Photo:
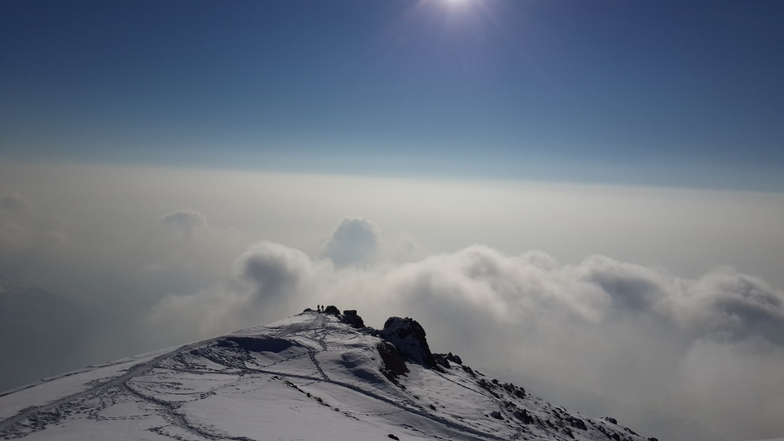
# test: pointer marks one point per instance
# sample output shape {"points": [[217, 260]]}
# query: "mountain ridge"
{"points": [[333, 376]]}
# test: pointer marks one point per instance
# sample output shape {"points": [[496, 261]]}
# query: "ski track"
{"points": [[119, 381], [179, 420], [321, 340]]}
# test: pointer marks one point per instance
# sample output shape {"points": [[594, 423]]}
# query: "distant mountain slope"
{"points": [[313, 376], [36, 326]]}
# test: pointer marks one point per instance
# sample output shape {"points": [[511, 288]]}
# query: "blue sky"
{"points": [[629, 92]]}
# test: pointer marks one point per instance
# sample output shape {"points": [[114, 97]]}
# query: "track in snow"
{"points": [[133, 371], [180, 421]]}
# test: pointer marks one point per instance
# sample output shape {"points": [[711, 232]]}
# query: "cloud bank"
{"points": [[678, 357], [690, 354]]}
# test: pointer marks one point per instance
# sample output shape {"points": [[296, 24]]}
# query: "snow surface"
{"points": [[309, 377]]}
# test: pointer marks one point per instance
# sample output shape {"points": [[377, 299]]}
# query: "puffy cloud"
{"points": [[725, 304], [273, 269], [358, 241], [187, 220], [355, 240], [268, 279], [673, 357]]}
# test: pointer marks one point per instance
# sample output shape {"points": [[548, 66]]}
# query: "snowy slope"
{"points": [[310, 377]]}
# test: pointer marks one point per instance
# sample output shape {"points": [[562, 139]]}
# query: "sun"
{"points": [[455, 5]]}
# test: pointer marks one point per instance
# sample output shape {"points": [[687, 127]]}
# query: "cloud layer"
{"points": [[697, 353], [688, 352]]}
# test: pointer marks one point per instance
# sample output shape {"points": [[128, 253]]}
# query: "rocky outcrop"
{"points": [[444, 359], [409, 337], [394, 361], [350, 317]]}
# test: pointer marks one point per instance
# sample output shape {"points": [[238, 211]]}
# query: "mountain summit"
{"points": [[314, 376]]}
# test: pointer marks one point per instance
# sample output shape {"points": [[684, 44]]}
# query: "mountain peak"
{"points": [[316, 375]]}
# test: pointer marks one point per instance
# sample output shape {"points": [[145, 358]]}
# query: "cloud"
{"points": [[268, 279], [728, 305], [355, 240], [646, 340], [694, 346], [273, 269], [187, 220], [358, 241], [184, 239]]}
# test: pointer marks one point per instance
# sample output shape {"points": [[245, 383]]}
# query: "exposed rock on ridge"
{"points": [[409, 337]]}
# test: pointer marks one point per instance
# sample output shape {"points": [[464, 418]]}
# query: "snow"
{"points": [[308, 377]]}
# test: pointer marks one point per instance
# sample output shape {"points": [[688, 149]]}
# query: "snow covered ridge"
{"points": [[314, 376]]}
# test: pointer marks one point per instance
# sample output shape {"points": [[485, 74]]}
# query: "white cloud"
{"points": [[273, 269], [354, 241], [187, 220], [358, 241]]}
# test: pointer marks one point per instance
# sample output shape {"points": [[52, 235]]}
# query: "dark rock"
{"points": [[611, 419], [484, 384], [577, 423], [408, 336], [393, 437], [332, 310], [496, 414], [394, 361], [523, 416], [350, 317], [442, 360]]}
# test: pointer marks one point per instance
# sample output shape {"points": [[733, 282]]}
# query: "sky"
{"points": [[654, 93], [582, 197]]}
